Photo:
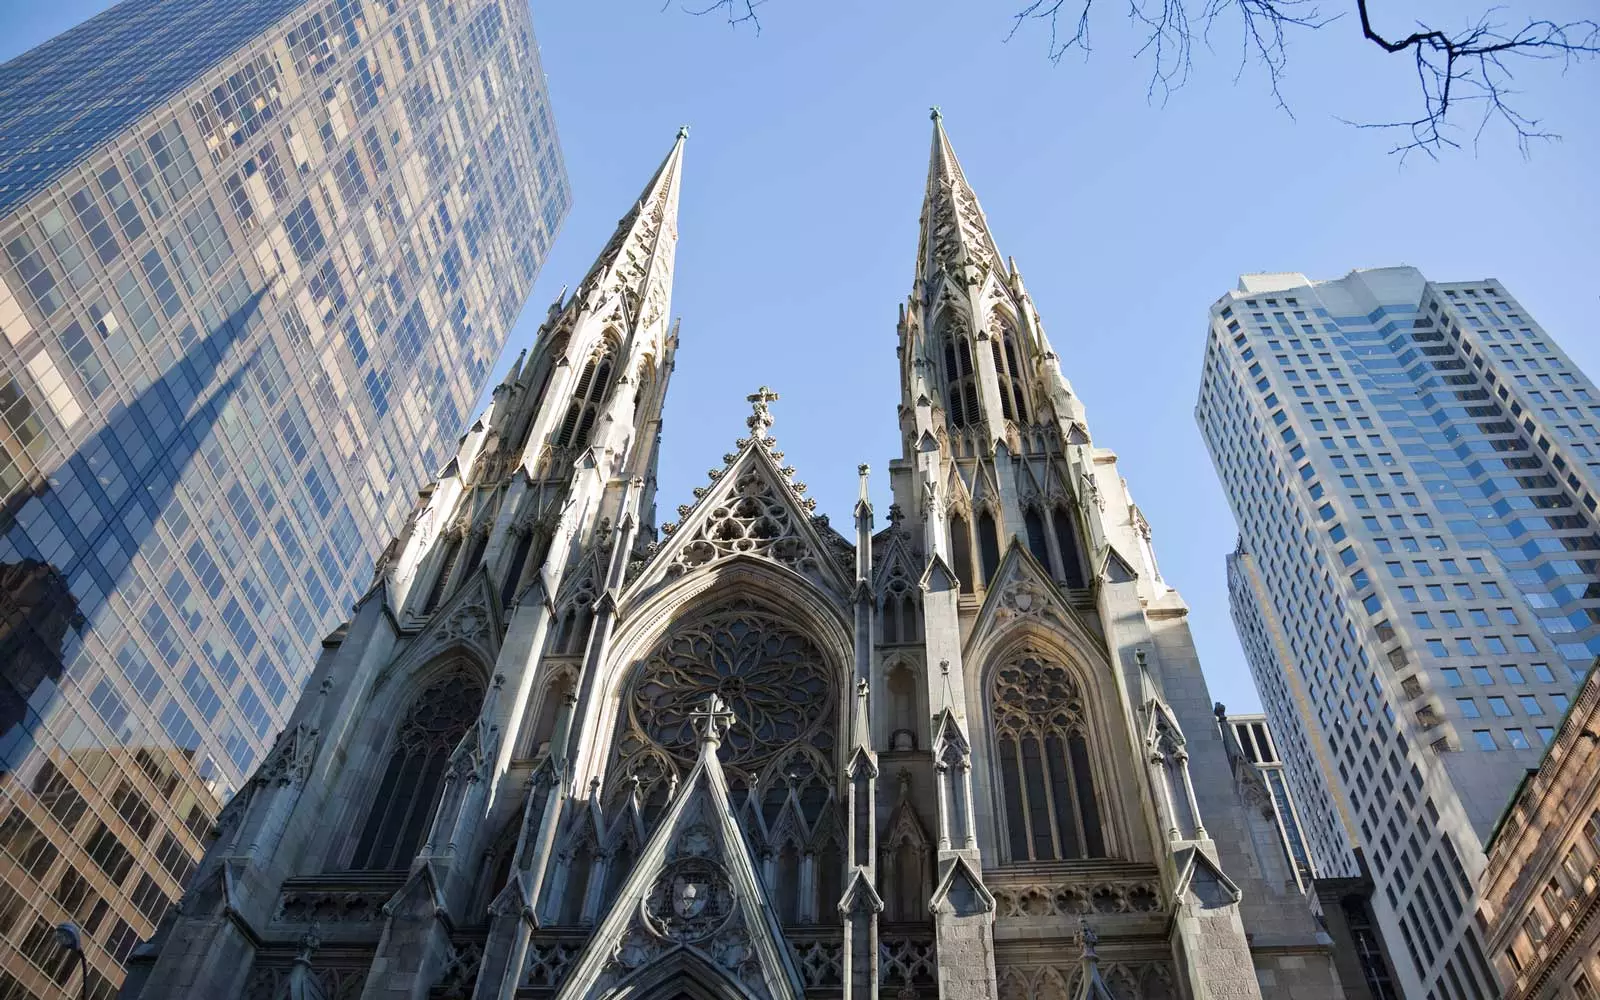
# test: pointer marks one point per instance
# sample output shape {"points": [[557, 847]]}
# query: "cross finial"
{"points": [[933, 113], [683, 131], [760, 419], [711, 720]]}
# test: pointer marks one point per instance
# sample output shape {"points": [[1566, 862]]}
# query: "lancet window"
{"points": [[1038, 543], [1013, 401], [571, 631], [418, 753], [961, 384], [897, 609], [961, 552], [441, 578], [587, 398], [516, 567], [778, 756], [1041, 730], [1067, 547], [988, 544]]}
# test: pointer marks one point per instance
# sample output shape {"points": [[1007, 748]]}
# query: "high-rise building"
{"points": [[968, 755], [1253, 742], [256, 260], [1414, 469], [1344, 903]]}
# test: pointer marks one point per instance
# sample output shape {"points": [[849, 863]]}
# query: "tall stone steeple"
{"points": [[473, 640]]}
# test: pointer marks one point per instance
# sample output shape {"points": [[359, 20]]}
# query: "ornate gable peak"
{"points": [[695, 895], [753, 508], [468, 619], [1022, 593], [1091, 986]]}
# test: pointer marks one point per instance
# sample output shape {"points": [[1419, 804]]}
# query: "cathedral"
{"points": [[563, 750]]}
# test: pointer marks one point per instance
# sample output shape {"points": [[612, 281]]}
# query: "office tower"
{"points": [[1256, 748], [1542, 883], [1344, 903], [1411, 465], [969, 754], [256, 260]]}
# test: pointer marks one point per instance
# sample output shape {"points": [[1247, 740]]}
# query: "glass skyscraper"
{"points": [[1414, 468], [256, 261]]}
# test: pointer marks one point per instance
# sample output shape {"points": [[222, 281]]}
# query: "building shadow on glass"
{"points": [[103, 501]]}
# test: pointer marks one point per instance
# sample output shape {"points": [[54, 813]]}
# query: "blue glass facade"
{"points": [[256, 261], [1413, 468]]}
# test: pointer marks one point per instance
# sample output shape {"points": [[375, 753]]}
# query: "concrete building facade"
{"points": [[563, 750], [1412, 468], [256, 260]]}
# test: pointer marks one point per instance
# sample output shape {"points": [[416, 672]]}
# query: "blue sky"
{"points": [[804, 175]]}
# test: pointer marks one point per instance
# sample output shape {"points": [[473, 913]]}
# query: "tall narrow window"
{"points": [[969, 386], [478, 543], [1014, 375], [1003, 379], [411, 783], [988, 545], [961, 552], [1051, 810], [587, 396], [952, 378], [1033, 521], [514, 571], [1067, 545], [441, 579]]}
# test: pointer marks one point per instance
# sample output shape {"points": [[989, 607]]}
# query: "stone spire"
{"points": [[955, 235], [637, 262]]}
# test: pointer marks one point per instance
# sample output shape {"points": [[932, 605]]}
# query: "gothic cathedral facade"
{"points": [[563, 752]]}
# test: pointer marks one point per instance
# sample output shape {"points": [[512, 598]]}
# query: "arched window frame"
{"points": [[962, 550], [464, 688], [784, 790], [1076, 719], [1010, 377], [1067, 545], [588, 395], [960, 374], [988, 529], [447, 552]]}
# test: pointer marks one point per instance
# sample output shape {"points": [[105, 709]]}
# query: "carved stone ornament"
{"points": [[1025, 600], [1062, 899], [467, 622], [290, 759], [691, 900]]}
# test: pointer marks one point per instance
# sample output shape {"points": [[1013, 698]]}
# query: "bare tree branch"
{"points": [[737, 11], [1473, 67]]}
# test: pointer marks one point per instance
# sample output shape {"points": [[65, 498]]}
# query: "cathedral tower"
{"points": [[559, 754]]}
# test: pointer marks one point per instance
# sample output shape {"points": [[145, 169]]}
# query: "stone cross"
{"points": [[760, 419], [712, 720]]}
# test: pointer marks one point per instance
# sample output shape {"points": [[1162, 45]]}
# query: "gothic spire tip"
{"points": [[683, 131], [935, 114]]}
